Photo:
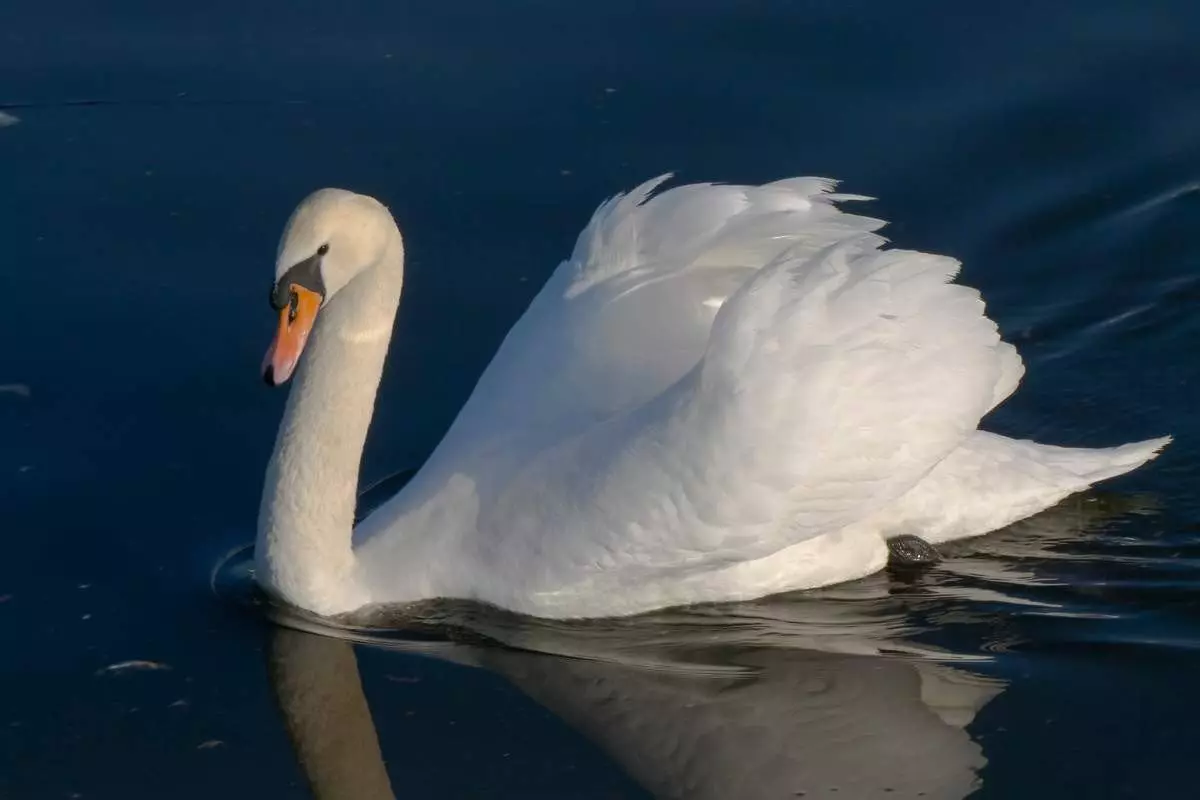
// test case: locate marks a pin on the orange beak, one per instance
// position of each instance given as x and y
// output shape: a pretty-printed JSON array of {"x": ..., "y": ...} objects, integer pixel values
[{"x": 295, "y": 324}]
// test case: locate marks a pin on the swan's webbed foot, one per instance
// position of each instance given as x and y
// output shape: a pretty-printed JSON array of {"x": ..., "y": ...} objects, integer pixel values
[{"x": 907, "y": 550}]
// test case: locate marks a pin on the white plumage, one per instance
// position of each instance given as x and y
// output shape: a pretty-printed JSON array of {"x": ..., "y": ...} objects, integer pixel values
[{"x": 725, "y": 392}]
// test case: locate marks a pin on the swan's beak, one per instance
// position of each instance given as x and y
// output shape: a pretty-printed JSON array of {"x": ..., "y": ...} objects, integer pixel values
[{"x": 295, "y": 323}]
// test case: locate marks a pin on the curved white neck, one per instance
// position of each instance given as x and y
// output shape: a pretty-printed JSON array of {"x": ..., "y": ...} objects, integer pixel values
[{"x": 304, "y": 550}]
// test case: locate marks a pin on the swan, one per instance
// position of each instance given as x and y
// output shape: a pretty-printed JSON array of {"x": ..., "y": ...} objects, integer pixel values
[{"x": 724, "y": 393}]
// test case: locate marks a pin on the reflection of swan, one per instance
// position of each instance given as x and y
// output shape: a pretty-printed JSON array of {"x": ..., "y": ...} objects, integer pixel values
[
  {"x": 828, "y": 726},
  {"x": 794, "y": 724},
  {"x": 725, "y": 393},
  {"x": 317, "y": 685}
]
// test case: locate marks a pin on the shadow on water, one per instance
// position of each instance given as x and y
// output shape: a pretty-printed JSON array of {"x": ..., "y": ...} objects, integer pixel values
[{"x": 869, "y": 689}]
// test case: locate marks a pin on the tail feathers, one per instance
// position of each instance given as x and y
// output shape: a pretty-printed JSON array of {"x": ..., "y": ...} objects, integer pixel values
[
  {"x": 1090, "y": 466},
  {"x": 992, "y": 481}
]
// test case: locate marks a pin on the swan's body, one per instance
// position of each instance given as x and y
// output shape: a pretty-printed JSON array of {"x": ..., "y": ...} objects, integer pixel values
[{"x": 725, "y": 392}]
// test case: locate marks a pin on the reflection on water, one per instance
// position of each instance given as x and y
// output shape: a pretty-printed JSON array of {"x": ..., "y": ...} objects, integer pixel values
[
  {"x": 799, "y": 724},
  {"x": 863, "y": 690},
  {"x": 319, "y": 692}
]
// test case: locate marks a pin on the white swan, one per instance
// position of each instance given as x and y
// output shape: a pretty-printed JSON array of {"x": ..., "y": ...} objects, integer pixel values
[{"x": 725, "y": 392}]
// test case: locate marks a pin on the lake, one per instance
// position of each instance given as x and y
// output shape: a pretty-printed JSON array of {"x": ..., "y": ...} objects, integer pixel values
[{"x": 149, "y": 156}]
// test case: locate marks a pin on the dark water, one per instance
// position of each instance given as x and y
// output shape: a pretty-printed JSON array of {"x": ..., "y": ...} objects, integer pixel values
[{"x": 1055, "y": 148}]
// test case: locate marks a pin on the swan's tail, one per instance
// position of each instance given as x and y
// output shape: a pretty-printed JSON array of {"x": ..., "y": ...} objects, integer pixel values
[
  {"x": 992, "y": 481},
  {"x": 1083, "y": 467}
]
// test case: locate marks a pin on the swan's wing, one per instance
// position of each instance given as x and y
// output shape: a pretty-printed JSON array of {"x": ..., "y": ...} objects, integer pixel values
[
  {"x": 832, "y": 383},
  {"x": 625, "y": 317},
  {"x": 1012, "y": 369},
  {"x": 852, "y": 373},
  {"x": 630, "y": 311}
]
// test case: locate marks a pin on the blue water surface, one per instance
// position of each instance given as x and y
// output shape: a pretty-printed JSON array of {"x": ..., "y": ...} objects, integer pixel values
[{"x": 149, "y": 155}]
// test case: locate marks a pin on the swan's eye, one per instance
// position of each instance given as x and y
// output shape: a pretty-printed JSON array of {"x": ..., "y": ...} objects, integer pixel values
[
  {"x": 323, "y": 249},
  {"x": 293, "y": 304}
]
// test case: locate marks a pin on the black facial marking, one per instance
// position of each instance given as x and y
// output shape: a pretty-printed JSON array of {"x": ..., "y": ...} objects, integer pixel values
[{"x": 306, "y": 273}]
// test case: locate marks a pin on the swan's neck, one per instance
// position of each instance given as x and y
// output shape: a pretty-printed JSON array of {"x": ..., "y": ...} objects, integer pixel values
[{"x": 304, "y": 551}]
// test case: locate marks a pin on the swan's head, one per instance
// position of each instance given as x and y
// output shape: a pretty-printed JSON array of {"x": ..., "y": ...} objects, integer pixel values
[{"x": 331, "y": 237}]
